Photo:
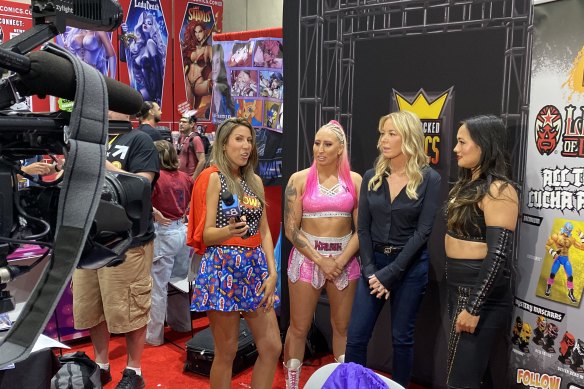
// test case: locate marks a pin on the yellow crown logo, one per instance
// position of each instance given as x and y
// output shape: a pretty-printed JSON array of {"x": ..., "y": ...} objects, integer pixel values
[{"x": 421, "y": 106}]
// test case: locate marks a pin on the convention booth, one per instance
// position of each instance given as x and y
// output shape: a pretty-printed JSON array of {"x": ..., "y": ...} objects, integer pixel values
[{"x": 447, "y": 61}]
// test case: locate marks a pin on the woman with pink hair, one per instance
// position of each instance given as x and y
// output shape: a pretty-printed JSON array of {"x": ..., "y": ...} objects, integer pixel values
[{"x": 321, "y": 220}]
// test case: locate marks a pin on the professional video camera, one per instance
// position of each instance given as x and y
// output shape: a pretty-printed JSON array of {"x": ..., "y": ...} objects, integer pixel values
[{"x": 35, "y": 214}]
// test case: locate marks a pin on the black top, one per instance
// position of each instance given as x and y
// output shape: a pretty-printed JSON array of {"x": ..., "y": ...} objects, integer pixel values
[
  {"x": 474, "y": 228},
  {"x": 404, "y": 223},
  {"x": 153, "y": 132},
  {"x": 134, "y": 152}
]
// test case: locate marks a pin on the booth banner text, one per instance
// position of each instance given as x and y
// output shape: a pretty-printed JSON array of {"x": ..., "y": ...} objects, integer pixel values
[
  {"x": 547, "y": 331},
  {"x": 248, "y": 82}
]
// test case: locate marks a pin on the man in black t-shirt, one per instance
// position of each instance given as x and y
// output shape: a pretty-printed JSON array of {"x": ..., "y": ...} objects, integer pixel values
[
  {"x": 149, "y": 117},
  {"x": 117, "y": 299}
]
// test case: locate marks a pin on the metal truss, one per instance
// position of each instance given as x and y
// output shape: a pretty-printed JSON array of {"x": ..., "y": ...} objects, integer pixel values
[{"x": 329, "y": 29}]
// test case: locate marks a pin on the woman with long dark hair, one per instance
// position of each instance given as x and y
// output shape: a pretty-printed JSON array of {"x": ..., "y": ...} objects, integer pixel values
[
  {"x": 482, "y": 213},
  {"x": 237, "y": 275}
]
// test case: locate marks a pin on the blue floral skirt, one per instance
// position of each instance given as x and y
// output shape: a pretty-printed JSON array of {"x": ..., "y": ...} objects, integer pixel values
[{"x": 229, "y": 279}]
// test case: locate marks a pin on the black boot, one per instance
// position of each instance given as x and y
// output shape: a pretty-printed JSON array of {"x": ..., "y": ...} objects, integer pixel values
[
  {"x": 571, "y": 296},
  {"x": 548, "y": 290}
]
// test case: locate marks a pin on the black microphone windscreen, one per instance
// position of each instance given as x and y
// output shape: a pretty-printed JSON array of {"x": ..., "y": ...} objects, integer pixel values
[
  {"x": 227, "y": 198},
  {"x": 53, "y": 75}
]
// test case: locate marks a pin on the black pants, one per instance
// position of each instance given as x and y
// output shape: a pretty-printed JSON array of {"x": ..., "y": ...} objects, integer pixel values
[{"x": 469, "y": 354}]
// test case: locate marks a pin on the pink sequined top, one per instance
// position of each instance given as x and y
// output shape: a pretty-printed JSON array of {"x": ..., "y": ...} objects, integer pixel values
[{"x": 334, "y": 202}]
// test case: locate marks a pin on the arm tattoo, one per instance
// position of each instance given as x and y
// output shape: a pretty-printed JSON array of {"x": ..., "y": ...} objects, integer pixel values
[{"x": 290, "y": 218}]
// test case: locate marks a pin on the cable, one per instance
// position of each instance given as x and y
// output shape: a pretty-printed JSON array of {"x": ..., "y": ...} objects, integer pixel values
[{"x": 22, "y": 241}]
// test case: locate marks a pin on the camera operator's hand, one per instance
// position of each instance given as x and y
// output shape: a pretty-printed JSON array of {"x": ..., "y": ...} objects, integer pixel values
[{"x": 39, "y": 168}]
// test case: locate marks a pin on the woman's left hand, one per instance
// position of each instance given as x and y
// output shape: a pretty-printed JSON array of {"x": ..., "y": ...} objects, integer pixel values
[
  {"x": 465, "y": 322},
  {"x": 377, "y": 288},
  {"x": 269, "y": 290}
]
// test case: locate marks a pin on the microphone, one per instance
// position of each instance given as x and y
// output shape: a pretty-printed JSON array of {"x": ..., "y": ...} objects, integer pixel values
[
  {"x": 230, "y": 208},
  {"x": 50, "y": 74}
]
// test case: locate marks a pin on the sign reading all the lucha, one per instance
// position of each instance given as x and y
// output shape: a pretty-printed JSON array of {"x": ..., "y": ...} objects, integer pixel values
[{"x": 548, "y": 337}]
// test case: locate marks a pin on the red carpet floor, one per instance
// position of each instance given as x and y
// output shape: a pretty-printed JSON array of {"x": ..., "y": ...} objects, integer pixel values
[{"x": 162, "y": 367}]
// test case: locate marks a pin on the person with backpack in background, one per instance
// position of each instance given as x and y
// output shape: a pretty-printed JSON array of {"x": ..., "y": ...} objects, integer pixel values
[{"x": 191, "y": 147}]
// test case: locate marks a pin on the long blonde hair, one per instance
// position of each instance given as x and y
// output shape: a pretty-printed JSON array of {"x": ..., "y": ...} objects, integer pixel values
[
  {"x": 247, "y": 172},
  {"x": 409, "y": 126}
]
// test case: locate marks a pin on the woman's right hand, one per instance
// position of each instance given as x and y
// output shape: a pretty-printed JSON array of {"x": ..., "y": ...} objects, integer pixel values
[
  {"x": 330, "y": 268},
  {"x": 237, "y": 229}
]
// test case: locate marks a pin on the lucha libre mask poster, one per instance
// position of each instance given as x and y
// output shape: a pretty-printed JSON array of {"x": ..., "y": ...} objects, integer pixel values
[
  {"x": 248, "y": 82},
  {"x": 547, "y": 331}
]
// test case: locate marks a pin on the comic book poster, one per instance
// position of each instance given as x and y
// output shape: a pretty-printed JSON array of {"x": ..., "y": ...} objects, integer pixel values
[
  {"x": 95, "y": 48},
  {"x": 548, "y": 342},
  {"x": 144, "y": 45},
  {"x": 198, "y": 23},
  {"x": 248, "y": 82},
  {"x": 195, "y": 22}
]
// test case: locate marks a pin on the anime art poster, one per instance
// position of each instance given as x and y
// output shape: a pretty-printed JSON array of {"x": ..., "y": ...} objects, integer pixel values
[
  {"x": 16, "y": 18},
  {"x": 248, "y": 82},
  {"x": 95, "y": 48},
  {"x": 144, "y": 47},
  {"x": 547, "y": 331}
]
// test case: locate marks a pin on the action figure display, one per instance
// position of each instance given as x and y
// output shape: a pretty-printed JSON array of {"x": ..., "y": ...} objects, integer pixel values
[
  {"x": 550, "y": 335},
  {"x": 517, "y": 330},
  {"x": 558, "y": 245},
  {"x": 538, "y": 332},
  {"x": 524, "y": 336},
  {"x": 578, "y": 357},
  {"x": 566, "y": 346}
]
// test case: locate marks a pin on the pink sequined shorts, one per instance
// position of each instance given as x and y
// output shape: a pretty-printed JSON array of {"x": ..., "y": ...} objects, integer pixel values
[{"x": 304, "y": 269}]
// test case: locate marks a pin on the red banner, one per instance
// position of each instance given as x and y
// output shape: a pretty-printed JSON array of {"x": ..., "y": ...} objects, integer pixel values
[{"x": 15, "y": 18}]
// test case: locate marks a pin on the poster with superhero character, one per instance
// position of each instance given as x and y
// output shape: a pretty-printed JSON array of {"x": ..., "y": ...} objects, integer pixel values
[
  {"x": 561, "y": 277},
  {"x": 95, "y": 48},
  {"x": 273, "y": 115},
  {"x": 198, "y": 22},
  {"x": 250, "y": 110},
  {"x": 144, "y": 48},
  {"x": 272, "y": 85}
]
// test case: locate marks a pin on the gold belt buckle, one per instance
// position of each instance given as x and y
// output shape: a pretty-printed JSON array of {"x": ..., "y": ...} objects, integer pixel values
[{"x": 388, "y": 250}]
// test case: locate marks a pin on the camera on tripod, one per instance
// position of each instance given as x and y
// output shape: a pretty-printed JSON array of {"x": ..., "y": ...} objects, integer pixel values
[{"x": 29, "y": 216}]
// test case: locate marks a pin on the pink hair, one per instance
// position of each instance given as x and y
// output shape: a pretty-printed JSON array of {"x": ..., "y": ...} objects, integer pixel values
[{"x": 343, "y": 167}]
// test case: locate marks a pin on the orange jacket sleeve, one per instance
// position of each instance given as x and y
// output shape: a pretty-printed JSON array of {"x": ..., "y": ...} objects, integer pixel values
[{"x": 198, "y": 210}]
